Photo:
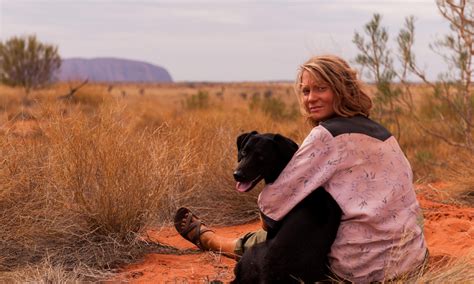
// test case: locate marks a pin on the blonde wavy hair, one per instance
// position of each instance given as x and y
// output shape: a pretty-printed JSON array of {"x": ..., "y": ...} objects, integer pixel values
[{"x": 350, "y": 99}]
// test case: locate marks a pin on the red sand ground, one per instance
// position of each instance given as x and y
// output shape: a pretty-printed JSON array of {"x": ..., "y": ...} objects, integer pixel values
[{"x": 449, "y": 231}]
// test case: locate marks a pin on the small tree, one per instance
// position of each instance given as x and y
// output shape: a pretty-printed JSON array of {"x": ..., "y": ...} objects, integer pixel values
[
  {"x": 453, "y": 89},
  {"x": 27, "y": 63},
  {"x": 376, "y": 57}
]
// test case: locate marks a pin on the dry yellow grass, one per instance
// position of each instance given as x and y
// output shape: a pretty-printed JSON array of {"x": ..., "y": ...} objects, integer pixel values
[{"x": 81, "y": 179}]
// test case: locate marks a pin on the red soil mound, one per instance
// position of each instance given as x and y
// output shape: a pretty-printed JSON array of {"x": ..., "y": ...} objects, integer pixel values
[{"x": 449, "y": 231}]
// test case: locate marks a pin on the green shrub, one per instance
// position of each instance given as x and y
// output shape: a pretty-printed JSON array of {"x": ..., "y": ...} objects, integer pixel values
[
  {"x": 198, "y": 101},
  {"x": 274, "y": 107}
]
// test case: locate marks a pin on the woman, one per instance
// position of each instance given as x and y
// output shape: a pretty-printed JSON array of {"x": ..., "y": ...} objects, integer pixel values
[{"x": 363, "y": 168}]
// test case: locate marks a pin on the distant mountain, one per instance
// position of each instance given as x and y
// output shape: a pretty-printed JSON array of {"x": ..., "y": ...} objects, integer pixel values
[{"x": 111, "y": 70}]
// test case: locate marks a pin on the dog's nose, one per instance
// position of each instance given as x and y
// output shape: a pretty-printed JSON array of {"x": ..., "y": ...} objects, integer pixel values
[{"x": 238, "y": 175}]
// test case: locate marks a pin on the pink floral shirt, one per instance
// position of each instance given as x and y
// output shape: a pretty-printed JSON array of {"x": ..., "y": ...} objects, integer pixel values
[{"x": 380, "y": 235}]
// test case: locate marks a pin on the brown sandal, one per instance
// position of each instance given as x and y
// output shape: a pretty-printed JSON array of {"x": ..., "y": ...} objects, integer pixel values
[{"x": 191, "y": 222}]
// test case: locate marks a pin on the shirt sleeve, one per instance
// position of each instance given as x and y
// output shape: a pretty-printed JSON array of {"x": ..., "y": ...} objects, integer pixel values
[{"x": 312, "y": 166}]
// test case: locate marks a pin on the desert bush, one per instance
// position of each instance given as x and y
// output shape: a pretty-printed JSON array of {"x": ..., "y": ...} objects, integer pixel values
[
  {"x": 459, "y": 174},
  {"x": 198, "y": 101},
  {"x": 209, "y": 139},
  {"x": 27, "y": 62},
  {"x": 75, "y": 199},
  {"x": 107, "y": 169},
  {"x": 274, "y": 107},
  {"x": 255, "y": 101},
  {"x": 89, "y": 99}
]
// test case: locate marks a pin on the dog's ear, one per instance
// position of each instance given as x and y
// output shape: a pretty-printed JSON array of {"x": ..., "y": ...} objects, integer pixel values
[
  {"x": 285, "y": 146},
  {"x": 242, "y": 139}
]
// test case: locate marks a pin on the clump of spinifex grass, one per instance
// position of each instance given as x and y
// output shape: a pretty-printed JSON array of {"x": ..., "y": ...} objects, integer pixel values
[
  {"x": 460, "y": 176},
  {"x": 447, "y": 270},
  {"x": 80, "y": 193},
  {"x": 208, "y": 139},
  {"x": 110, "y": 175}
]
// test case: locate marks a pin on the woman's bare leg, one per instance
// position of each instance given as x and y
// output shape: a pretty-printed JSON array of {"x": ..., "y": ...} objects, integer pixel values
[{"x": 216, "y": 243}]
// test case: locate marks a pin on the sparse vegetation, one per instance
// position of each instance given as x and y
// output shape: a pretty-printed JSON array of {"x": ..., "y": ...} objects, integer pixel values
[
  {"x": 82, "y": 181},
  {"x": 452, "y": 100}
]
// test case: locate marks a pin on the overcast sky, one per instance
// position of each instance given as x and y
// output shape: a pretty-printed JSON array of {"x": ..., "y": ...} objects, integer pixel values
[{"x": 218, "y": 40}]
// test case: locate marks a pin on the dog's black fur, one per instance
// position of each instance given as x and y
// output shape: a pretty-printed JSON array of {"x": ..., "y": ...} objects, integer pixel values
[{"x": 296, "y": 248}]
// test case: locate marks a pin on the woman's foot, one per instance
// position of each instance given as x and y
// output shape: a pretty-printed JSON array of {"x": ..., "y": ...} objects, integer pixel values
[{"x": 190, "y": 227}]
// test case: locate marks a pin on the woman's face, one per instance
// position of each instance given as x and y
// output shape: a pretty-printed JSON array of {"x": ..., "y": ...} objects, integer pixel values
[{"x": 318, "y": 97}]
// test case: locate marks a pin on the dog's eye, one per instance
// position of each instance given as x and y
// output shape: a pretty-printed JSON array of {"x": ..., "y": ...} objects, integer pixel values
[{"x": 243, "y": 153}]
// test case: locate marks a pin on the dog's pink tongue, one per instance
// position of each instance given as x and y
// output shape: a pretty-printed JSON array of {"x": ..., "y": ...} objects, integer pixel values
[{"x": 243, "y": 186}]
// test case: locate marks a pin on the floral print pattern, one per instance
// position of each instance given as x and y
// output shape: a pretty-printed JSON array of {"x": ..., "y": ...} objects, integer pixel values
[{"x": 380, "y": 235}]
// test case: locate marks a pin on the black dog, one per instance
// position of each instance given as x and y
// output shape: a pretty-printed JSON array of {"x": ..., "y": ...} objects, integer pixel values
[{"x": 296, "y": 248}]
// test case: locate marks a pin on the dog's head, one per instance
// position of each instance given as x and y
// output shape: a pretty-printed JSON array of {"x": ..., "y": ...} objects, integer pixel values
[{"x": 261, "y": 156}]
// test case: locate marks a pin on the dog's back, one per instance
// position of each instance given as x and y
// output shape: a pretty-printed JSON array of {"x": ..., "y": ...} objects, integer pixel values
[{"x": 297, "y": 250}]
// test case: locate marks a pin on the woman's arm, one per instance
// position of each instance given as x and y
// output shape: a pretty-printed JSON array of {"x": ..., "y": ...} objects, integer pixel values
[{"x": 312, "y": 166}]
